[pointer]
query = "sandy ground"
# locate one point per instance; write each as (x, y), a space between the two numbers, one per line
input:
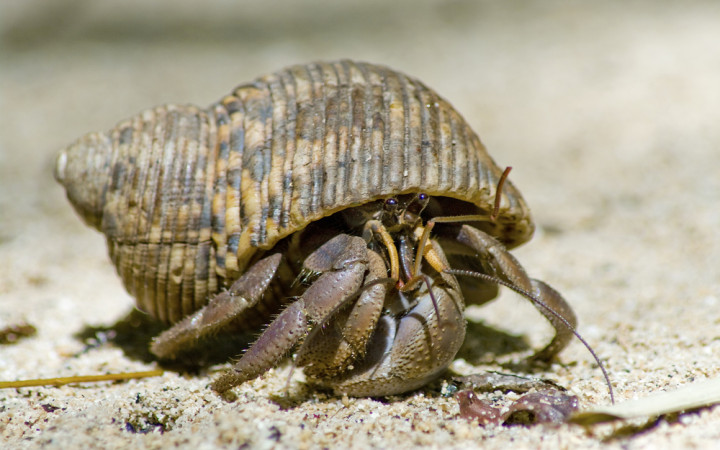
(608, 112)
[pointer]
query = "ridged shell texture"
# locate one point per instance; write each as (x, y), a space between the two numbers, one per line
(188, 195)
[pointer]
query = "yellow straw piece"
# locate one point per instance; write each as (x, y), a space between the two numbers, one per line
(79, 379)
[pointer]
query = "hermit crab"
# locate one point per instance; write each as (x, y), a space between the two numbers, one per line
(335, 201)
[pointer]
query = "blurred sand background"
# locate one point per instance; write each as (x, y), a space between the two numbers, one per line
(609, 113)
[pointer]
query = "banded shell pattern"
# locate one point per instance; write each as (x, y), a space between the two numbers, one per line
(186, 196)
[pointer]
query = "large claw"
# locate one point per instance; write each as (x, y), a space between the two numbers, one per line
(331, 350)
(408, 351)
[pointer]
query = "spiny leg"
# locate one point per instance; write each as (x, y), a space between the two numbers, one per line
(508, 272)
(244, 293)
(504, 266)
(541, 302)
(341, 263)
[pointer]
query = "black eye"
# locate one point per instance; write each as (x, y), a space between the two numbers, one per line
(422, 196)
(391, 202)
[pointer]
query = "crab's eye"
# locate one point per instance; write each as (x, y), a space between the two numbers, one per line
(391, 202)
(422, 196)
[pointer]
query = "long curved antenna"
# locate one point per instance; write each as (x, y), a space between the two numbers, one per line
(537, 301)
